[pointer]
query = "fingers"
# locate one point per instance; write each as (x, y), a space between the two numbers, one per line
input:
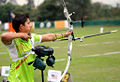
(29, 34)
(69, 32)
(26, 37)
(29, 37)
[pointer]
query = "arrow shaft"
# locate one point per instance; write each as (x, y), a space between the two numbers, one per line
(93, 35)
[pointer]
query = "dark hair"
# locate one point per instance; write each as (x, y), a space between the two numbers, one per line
(19, 19)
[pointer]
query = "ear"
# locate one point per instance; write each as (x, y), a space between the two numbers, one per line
(21, 27)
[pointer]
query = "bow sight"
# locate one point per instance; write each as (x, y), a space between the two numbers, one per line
(42, 51)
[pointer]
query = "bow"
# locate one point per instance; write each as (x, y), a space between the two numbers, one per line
(70, 38)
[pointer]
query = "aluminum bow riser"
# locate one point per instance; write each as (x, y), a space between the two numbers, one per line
(70, 37)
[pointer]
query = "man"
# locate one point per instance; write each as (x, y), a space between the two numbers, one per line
(82, 21)
(19, 45)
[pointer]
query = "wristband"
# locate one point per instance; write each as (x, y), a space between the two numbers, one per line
(59, 37)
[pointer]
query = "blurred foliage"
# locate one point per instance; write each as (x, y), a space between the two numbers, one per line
(105, 12)
(5, 12)
(49, 10)
(52, 10)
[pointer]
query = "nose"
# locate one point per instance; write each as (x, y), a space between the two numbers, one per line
(30, 25)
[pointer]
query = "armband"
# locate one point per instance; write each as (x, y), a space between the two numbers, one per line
(59, 37)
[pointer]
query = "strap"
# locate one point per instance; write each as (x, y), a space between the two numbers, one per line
(28, 53)
(21, 62)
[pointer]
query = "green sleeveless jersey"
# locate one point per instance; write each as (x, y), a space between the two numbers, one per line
(20, 53)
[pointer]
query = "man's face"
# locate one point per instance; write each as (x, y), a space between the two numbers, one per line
(27, 26)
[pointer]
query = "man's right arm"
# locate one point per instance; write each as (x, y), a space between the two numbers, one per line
(9, 36)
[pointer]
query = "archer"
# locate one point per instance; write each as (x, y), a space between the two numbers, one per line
(19, 45)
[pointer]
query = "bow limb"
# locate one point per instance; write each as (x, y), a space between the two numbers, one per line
(66, 69)
(70, 38)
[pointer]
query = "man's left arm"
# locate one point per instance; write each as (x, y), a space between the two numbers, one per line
(52, 37)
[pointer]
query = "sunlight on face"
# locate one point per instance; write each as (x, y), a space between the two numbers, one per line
(27, 26)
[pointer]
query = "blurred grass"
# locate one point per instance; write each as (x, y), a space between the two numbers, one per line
(103, 68)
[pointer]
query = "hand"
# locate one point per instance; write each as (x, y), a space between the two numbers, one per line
(25, 36)
(68, 33)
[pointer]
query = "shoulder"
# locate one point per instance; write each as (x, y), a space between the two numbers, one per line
(36, 37)
(33, 35)
(5, 36)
